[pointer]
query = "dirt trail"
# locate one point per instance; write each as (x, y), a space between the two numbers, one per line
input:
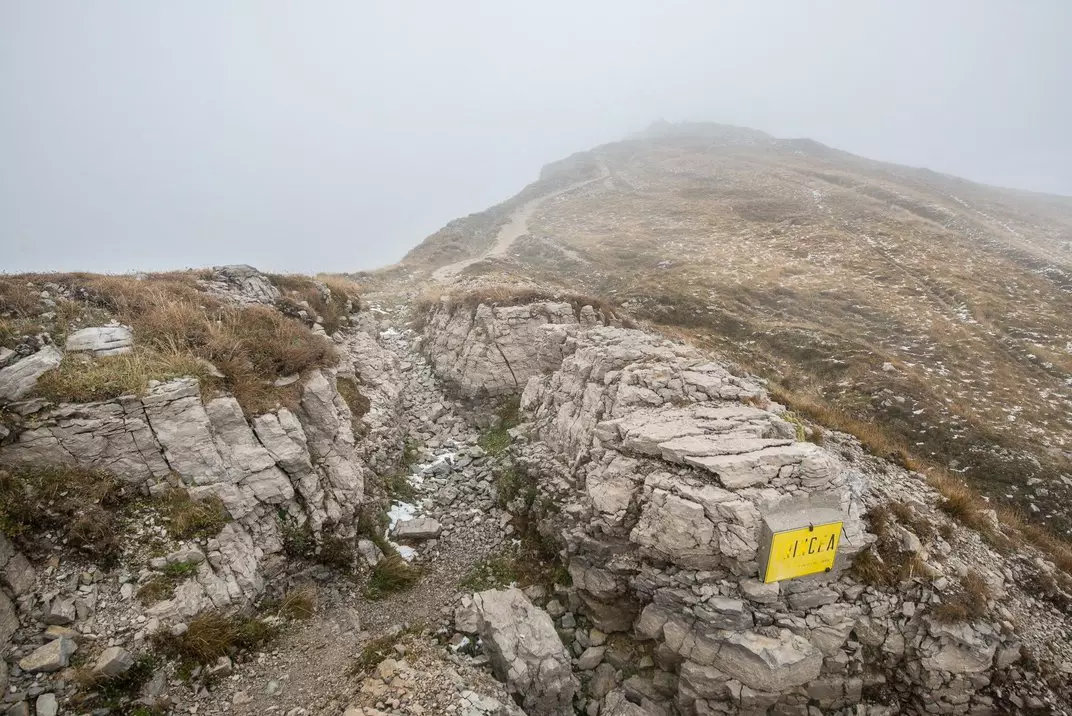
(516, 227)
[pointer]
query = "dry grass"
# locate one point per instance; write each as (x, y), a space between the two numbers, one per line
(299, 603)
(968, 602)
(332, 298)
(391, 574)
(878, 440)
(211, 635)
(81, 379)
(176, 327)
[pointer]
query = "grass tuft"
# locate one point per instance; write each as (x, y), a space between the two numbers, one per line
(390, 575)
(299, 603)
(211, 635)
(194, 519)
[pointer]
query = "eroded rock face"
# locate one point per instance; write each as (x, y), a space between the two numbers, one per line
(525, 650)
(303, 464)
(493, 351)
(241, 284)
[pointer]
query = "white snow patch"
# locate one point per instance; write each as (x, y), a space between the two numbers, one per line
(400, 512)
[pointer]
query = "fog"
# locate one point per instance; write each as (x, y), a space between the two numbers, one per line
(334, 136)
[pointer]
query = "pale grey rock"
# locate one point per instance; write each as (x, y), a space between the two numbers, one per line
(53, 656)
(493, 351)
(418, 528)
(242, 284)
(113, 661)
(19, 575)
(47, 705)
(759, 592)
(369, 552)
(525, 652)
(617, 704)
(101, 340)
(591, 657)
(61, 612)
(467, 616)
(19, 378)
(768, 663)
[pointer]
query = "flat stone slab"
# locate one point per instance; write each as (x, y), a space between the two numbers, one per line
(419, 528)
(101, 340)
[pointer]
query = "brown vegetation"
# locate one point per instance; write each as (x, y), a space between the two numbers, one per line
(211, 635)
(178, 330)
(332, 306)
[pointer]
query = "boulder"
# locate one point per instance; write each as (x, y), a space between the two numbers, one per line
(101, 340)
(18, 379)
(419, 528)
(113, 661)
(526, 652)
(53, 656)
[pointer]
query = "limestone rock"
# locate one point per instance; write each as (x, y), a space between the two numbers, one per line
(9, 619)
(768, 663)
(101, 340)
(18, 379)
(419, 528)
(53, 656)
(113, 661)
(242, 284)
(47, 705)
(526, 652)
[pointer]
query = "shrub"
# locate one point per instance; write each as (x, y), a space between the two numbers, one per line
(299, 603)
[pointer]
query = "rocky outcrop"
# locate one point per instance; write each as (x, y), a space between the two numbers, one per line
(526, 652)
(301, 463)
(491, 351)
(241, 284)
(666, 476)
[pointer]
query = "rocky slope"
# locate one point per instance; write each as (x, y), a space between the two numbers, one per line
(932, 307)
(506, 504)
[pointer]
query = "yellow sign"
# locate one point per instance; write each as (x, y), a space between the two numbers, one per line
(804, 551)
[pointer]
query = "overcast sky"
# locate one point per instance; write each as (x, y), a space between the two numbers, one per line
(335, 135)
